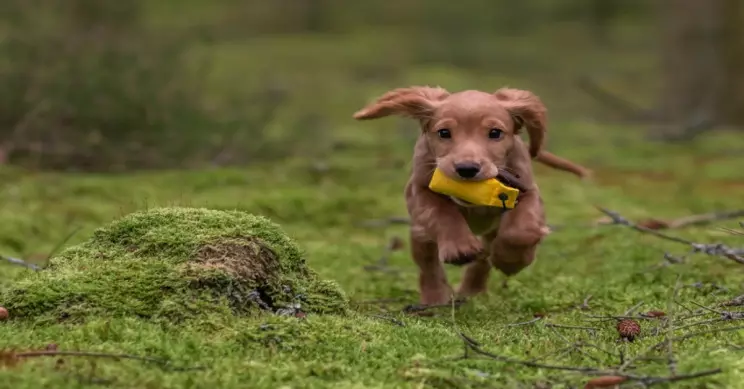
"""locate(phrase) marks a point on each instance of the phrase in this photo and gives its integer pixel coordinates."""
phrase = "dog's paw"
(460, 252)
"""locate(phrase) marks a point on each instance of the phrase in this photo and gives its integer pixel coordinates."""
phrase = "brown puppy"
(471, 135)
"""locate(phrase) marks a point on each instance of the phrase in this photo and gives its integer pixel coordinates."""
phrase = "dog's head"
(471, 133)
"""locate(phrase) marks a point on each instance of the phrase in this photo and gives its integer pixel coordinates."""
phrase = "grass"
(321, 210)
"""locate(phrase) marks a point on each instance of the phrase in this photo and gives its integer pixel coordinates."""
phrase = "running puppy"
(471, 135)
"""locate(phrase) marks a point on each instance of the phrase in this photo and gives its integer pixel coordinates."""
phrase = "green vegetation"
(613, 264)
(171, 264)
(313, 171)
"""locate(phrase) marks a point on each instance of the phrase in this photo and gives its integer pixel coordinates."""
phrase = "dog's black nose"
(467, 170)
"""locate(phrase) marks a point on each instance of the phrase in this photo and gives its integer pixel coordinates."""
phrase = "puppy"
(471, 135)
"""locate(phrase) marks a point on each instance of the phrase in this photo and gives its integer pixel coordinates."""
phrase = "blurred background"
(104, 85)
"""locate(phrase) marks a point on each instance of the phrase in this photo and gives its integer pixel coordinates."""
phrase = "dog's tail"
(556, 162)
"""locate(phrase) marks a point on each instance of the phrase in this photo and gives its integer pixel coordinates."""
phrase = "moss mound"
(174, 264)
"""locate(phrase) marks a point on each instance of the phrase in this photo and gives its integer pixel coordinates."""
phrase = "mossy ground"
(322, 211)
(174, 264)
(613, 264)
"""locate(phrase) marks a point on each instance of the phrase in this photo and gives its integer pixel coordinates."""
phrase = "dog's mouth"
(462, 203)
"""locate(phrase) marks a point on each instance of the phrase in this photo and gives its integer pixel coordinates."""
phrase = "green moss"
(173, 264)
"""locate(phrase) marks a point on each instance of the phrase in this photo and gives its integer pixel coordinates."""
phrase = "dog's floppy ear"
(416, 101)
(527, 110)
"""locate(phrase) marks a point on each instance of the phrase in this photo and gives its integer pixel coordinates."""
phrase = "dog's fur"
(445, 229)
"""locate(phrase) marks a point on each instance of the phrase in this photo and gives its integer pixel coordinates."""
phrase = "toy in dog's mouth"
(501, 191)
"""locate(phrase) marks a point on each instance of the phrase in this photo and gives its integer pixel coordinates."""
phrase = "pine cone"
(628, 329)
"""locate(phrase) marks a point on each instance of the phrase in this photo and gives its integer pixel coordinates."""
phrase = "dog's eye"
(444, 133)
(495, 133)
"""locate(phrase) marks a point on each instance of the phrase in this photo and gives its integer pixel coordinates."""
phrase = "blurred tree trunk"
(601, 15)
(733, 50)
(702, 65)
(315, 15)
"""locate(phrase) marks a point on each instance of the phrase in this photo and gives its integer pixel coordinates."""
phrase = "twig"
(393, 245)
(671, 361)
(694, 334)
(710, 249)
(633, 308)
(524, 323)
(704, 218)
(62, 243)
(381, 301)
(571, 327)
(618, 219)
(20, 262)
(658, 380)
(162, 363)
(586, 370)
(478, 350)
(419, 308)
(390, 319)
(585, 304)
(399, 220)
(611, 317)
(575, 346)
(628, 109)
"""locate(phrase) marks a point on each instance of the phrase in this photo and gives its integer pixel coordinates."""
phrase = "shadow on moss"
(174, 264)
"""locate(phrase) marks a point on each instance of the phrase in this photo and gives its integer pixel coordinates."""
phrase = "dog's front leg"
(436, 218)
(433, 286)
(520, 231)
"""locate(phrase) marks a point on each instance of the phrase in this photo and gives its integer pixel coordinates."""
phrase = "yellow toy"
(491, 192)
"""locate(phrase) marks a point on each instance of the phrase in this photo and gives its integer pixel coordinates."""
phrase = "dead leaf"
(653, 224)
(8, 359)
(605, 381)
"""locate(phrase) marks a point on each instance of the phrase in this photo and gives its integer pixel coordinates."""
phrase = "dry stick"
(575, 346)
(629, 110)
(699, 323)
(381, 265)
(610, 317)
(524, 323)
(62, 242)
(551, 325)
(671, 361)
(472, 345)
(20, 262)
(694, 334)
(629, 362)
(163, 364)
(704, 218)
(710, 249)
(390, 319)
(585, 304)
(633, 308)
(587, 370)
(732, 231)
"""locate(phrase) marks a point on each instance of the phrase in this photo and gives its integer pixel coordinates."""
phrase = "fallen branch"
(394, 220)
(20, 262)
(630, 111)
(394, 244)
(470, 345)
(719, 250)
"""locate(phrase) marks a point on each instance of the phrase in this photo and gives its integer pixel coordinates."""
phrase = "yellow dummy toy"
(491, 192)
